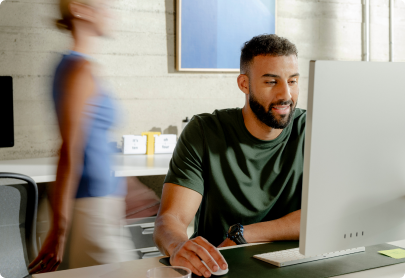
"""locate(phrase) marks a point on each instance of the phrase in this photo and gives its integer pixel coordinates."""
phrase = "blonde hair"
(65, 23)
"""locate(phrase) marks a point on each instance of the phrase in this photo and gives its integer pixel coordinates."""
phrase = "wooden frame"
(179, 42)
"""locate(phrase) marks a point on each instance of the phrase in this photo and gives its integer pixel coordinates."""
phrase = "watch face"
(235, 233)
(235, 230)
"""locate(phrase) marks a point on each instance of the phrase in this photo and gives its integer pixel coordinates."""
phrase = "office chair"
(18, 216)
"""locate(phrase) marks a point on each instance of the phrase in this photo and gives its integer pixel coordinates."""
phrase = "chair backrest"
(18, 216)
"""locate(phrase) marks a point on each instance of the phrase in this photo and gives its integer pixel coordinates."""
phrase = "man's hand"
(190, 253)
(177, 208)
(227, 242)
(50, 255)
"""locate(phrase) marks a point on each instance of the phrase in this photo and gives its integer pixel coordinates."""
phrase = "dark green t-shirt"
(242, 179)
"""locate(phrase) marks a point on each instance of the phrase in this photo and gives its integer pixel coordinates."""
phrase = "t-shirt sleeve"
(186, 165)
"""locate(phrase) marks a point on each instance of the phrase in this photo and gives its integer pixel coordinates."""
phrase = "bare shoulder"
(79, 69)
(79, 80)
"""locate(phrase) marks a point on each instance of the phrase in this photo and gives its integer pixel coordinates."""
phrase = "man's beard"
(267, 117)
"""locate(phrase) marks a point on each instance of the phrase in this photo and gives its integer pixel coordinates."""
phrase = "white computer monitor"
(354, 168)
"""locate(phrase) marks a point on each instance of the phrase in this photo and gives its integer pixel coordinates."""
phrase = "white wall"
(140, 61)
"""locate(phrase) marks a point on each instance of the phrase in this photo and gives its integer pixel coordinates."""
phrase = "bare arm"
(284, 228)
(178, 207)
(78, 87)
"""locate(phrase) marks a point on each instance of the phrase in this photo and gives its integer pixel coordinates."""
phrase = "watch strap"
(235, 233)
(239, 240)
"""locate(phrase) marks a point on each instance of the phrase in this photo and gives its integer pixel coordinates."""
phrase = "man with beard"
(238, 171)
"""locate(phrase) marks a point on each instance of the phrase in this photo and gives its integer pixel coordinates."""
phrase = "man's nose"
(284, 91)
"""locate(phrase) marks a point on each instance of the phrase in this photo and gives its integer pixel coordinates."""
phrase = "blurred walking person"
(85, 194)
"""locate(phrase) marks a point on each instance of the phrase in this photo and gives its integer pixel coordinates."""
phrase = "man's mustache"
(281, 102)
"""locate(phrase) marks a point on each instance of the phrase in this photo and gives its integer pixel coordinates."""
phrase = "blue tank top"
(96, 176)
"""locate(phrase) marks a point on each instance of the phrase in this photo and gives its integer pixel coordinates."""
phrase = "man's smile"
(281, 109)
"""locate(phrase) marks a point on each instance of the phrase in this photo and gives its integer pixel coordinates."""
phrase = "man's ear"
(243, 83)
(81, 11)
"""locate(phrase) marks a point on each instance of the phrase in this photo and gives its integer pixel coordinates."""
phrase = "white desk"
(137, 269)
(44, 169)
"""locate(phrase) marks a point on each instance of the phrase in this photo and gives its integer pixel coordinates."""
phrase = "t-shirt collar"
(258, 142)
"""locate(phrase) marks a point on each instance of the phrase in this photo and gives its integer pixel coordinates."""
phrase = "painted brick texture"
(139, 61)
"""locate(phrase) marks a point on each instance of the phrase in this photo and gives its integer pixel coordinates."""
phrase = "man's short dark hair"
(265, 44)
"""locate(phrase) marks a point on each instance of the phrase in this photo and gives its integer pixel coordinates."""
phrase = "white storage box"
(165, 143)
(133, 144)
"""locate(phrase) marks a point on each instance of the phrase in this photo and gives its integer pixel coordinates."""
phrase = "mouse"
(217, 273)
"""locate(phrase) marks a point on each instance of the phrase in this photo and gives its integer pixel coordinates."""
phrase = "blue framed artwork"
(211, 33)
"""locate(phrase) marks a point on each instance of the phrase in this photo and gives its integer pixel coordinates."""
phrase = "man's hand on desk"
(188, 254)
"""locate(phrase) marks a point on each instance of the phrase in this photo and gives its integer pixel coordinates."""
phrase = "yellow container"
(150, 141)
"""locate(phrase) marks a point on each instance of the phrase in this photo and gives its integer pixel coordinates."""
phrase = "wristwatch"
(235, 233)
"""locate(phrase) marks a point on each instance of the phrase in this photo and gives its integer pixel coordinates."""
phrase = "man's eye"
(271, 82)
(293, 81)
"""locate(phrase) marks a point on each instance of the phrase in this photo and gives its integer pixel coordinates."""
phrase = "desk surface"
(44, 169)
(138, 268)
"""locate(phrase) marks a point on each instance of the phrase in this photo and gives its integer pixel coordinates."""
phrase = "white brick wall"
(140, 61)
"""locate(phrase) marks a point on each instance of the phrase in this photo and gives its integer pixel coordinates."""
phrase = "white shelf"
(44, 169)
(141, 165)
(39, 169)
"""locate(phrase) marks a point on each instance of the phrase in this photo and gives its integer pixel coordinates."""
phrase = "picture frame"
(211, 33)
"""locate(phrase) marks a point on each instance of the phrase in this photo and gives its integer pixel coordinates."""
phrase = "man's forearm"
(285, 228)
(169, 232)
